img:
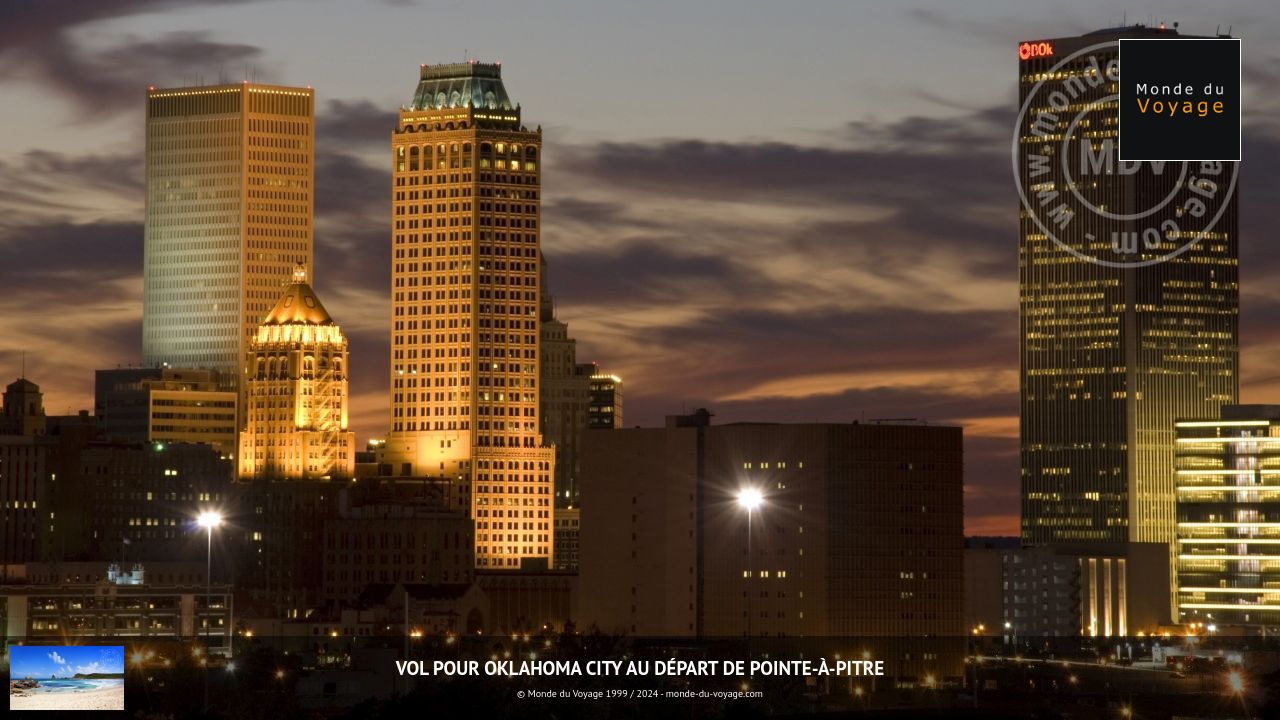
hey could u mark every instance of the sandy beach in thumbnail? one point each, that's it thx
(108, 698)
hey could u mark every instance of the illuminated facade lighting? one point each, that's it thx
(1111, 357)
(1228, 509)
(229, 206)
(464, 313)
(296, 402)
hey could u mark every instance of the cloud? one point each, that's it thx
(56, 658)
(870, 274)
(39, 41)
(342, 124)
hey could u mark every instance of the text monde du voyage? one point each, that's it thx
(1179, 99)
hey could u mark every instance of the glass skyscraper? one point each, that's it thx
(1124, 329)
(229, 208)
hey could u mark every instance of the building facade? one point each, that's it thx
(229, 207)
(568, 525)
(1111, 355)
(1228, 485)
(127, 501)
(1093, 590)
(26, 475)
(395, 543)
(465, 302)
(29, 463)
(859, 533)
(564, 389)
(296, 396)
(167, 405)
(605, 412)
(121, 606)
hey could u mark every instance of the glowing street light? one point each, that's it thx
(749, 499)
(208, 519)
(1235, 681)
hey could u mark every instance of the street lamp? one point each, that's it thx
(208, 519)
(1235, 681)
(749, 499)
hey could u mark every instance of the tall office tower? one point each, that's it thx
(1111, 354)
(1228, 518)
(295, 393)
(564, 394)
(229, 207)
(464, 336)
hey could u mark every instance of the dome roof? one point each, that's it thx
(22, 385)
(459, 85)
(298, 305)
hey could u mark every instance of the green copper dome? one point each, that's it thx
(460, 85)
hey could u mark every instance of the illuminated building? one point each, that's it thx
(1063, 591)
(859, 532)
(605, 412)
(229, 206)
(1111, 356)
(1228, 485)
(168, 405)
(465, 297)
(296, 393)
(60, 608)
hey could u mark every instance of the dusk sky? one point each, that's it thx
(779, 211)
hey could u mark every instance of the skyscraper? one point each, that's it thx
(229, 207)
(1126, 325)
(464, 335)
(1228, 520)
(295, 394)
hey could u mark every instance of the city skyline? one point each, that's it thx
(775, 295)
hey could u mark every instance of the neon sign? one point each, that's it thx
(1028, 50)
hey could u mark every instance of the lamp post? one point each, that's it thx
(208, 520)
(749, 499)
(976, 635)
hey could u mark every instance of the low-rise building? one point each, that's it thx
(121, 605)
(1056, 591)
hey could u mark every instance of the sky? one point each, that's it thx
(43, 661)
(778, 211)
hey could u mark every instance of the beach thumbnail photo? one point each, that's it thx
(66, 677)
